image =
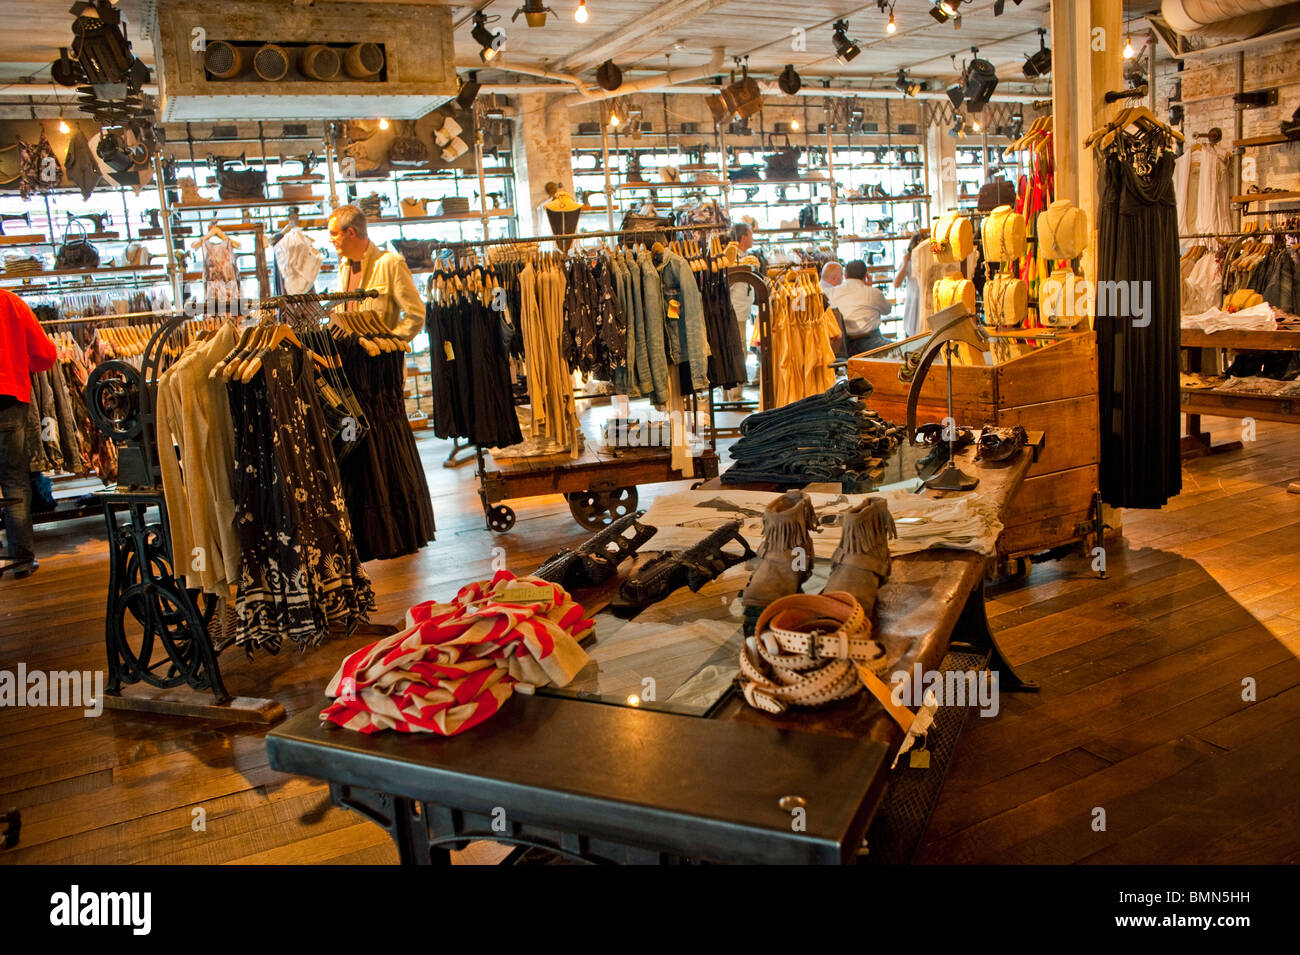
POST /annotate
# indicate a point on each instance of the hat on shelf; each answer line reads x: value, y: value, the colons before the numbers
x: 1006, y: 301
x: 953, y: 238
x: 952, y: 289
x: 454, y: 150
x: 1062, y: 230
x: 1004, y: 235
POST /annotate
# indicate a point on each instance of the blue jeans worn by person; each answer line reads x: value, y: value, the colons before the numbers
x: 15, y: 481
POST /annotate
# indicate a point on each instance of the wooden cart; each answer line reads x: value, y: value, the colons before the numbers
x: 1041, y: 380
x: 600, y: 487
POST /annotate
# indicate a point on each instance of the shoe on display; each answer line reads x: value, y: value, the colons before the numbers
x: 785, y: 557
x: 860, y: 565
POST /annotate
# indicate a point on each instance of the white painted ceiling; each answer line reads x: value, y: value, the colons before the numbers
x: 648, y: 35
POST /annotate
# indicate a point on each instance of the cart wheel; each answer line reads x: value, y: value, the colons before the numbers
x: 501, y: 518
x: 596, y: 510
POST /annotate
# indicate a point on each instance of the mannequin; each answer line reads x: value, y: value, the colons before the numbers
x: 563, y: 212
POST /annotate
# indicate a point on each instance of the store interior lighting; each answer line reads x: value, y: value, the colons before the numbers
x: 945, y: 10
x: 491, y: 43
x: 789, y: 81
x: 909, y: 87
x: 846, y: 49
x: 534, y: 12
x: 609, y: 76
x: 469, y: 88
x: 1040, y: 63
x: 979, y: 80
x: 580, y: 14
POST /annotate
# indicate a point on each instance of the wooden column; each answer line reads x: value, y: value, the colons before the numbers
x: 1087, y: 62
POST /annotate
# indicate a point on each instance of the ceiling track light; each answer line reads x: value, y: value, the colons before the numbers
x: 534, y: 12
x: 491, y: 43
x: 789, y: 81
x: 845, y: 49
x: 908, y: 87
x: 979, y: 80
x: 469, y: 88
x: 580, y: 14
x: 945, y: 10
x: 1040, y: 63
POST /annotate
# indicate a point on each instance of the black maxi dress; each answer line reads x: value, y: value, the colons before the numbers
x: 383, y: 479
x: 1138, y: 353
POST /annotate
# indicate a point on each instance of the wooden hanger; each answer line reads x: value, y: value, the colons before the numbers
x: 214, y: 232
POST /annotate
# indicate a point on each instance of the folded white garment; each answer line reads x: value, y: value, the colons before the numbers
x: 965, y: 523
x: 1256, y: 318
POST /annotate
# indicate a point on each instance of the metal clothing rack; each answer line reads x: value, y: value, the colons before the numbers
x: 168, y: 645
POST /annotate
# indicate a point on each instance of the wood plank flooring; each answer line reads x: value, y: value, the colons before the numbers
x: 1140, y: 714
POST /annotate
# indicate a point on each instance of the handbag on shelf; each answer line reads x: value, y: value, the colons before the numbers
x: 996, y: 192
x: 650, y: 229
x: 76, y: 252
x: 418, y: 253
x: 783, y: 162
x: 236, y: 184
x: 414, y: 208
x: 407, y: 149
x: 372, y: 205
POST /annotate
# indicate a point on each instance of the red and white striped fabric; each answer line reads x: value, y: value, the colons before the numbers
x: 456, y: 663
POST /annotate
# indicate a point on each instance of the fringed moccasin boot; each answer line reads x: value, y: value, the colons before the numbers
x: 861, y: 563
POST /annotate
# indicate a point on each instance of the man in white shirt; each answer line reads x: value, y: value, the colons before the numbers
x: 860, y: 306
x: 832, y: 278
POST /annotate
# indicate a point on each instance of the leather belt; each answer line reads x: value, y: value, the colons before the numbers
x: 813, y: 649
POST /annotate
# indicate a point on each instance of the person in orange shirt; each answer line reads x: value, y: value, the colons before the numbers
x: 24, y: 349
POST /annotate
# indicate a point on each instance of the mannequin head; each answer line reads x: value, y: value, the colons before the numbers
x: 347, y: 227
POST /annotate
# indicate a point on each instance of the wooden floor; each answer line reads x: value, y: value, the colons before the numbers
x: 1140, y: 714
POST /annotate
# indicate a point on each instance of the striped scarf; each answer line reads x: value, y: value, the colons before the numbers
x: 456, y: 663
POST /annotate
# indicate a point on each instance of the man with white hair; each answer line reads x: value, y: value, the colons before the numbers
x: 832, y: 277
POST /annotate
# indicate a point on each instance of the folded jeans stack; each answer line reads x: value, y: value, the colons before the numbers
x: 827, y: 437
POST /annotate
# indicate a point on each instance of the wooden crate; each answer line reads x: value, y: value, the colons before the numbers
x: 1044, y: 384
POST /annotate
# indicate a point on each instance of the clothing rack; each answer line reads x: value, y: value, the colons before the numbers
x: 109, y: 317
x: 524, y: 240
x: 176, y: 647
x: 1240, y: 235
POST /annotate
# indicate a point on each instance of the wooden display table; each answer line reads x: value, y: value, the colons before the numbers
x: 1195, y: 402
x: 627, y: 784
x: 1041, y: 380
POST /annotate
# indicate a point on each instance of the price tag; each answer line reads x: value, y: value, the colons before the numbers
x: 525, y: 593
x: 448, y: 351
x: 919, y: 759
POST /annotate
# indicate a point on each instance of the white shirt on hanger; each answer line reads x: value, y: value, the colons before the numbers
x: 298, y: 260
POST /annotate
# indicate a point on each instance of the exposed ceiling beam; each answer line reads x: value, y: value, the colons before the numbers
x: 665, y: 19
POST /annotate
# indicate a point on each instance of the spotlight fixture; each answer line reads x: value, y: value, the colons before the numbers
x: 975, y: 126
x: 909, y: 87
x: 469, y: 88
x: 979, y: 81
x: 1129, y: 52
x: 580, y: 14
x: 1040, y: 63
x: 789, y: 80
x: 534, y: 13
x: 955, y: 95
x: 609, y: 76
x: 845, y: 49
x: 491, y: 42
x: 742, y: 96
x: 945, y: 10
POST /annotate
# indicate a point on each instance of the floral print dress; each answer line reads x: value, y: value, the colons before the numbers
x: 299, y: 570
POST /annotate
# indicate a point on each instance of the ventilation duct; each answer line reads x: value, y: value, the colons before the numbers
x: 1236, y: 19
x: 251, y: 60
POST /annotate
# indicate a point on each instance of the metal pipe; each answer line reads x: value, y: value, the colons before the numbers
x: 668, y: 79
x: 604, y: 162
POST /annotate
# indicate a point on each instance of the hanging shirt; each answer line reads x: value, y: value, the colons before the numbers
x: 298, y: 260
x: 24, y: 348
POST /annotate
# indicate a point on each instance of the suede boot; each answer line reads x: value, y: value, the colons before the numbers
x: 780, y: 570
x: 861, y: 563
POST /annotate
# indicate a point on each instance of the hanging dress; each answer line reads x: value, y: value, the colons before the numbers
x: 1138, y: 354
